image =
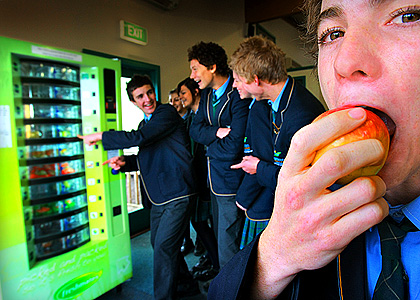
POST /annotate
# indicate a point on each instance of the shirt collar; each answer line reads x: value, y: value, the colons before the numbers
x: 410, y: 210
x: 147, y: 118
x: 221, y: 90
x: 252, y: 103
x: 185, y: 116
x: 275, y: 105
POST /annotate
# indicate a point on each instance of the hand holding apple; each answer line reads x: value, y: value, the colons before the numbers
x: 373, y: 128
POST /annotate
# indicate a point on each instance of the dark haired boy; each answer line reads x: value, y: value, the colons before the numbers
x: 166, y: 175
x: 220, y: 125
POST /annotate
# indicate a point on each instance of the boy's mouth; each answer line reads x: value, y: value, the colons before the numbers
x: 390, y: 124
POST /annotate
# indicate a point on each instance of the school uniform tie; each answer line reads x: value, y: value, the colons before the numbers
x: 393, y: 280
x: 276, y: 129
x: 215, y: 102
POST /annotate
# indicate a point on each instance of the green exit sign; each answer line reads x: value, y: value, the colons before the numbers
x: 133, y: 33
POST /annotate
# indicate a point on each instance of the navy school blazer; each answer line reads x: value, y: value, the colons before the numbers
x: 298, y: 107
x: 343, y: 279
x: 199, y: 164
x: 232, y: 112
x: 257, y: 199
x: 164, y: 158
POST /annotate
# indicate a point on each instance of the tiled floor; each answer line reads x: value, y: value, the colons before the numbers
x: 140, y: 286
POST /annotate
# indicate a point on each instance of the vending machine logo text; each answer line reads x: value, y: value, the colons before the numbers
x: 77, y: 286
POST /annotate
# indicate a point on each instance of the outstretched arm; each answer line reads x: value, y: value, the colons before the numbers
x: 115, y: 162
x: 91, y: 139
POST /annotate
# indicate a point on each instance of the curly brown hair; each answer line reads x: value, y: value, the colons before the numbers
x: 311, y: 10
x: 210, y: 54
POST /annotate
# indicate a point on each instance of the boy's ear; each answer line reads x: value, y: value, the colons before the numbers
x: 212, y: 68
x: 256, y: 80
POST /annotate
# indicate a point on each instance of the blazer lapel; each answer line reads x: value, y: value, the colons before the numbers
x: 284, y: 101
x: 353, y: 269
x: 209, y: 108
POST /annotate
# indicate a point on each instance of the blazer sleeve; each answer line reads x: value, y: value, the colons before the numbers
x: 231, y: 147
x: 236, y: 276
x: 164, y: 122
x: 200, y: 130
x: 248, y: 191
x: 267, y: 173
x: 235, y: 279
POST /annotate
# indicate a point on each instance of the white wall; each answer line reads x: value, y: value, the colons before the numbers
x: 287, y: 38
x: 94, y: 25
x: 312, y: 83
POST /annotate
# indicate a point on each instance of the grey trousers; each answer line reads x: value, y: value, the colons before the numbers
x: 228, y: 222
x: 168, y: 223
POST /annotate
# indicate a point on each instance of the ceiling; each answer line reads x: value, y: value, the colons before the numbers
x: 264, y: 10
x: 255, y: 11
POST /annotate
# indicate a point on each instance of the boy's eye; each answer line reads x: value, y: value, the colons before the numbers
x: 336, y: 35
x: 330, y: 35
x: 408, y: 18
x: 406, y: 15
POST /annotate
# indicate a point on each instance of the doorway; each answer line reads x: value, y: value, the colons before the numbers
x: 139, y: 217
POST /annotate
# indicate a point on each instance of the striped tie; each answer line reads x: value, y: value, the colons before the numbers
x: 214, y: 103
x: 393, y: 280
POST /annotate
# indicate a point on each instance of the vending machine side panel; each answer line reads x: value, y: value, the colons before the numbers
x: 12, y: 226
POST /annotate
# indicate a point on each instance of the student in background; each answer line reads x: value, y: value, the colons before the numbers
x: 189, y: 94
x: 167, y: 183
x: 174, y: 100
x: 337, y: 244
x: 282, y: 107
x: 219, y: 124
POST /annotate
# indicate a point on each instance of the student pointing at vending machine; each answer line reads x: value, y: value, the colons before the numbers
x: 167, y: 185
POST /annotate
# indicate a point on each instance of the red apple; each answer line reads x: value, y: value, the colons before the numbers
x: 372, y: 128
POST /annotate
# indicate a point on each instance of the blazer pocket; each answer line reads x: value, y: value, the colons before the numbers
x: 169, y: 182
x: 233, y: 178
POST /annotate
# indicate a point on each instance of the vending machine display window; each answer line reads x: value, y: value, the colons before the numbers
x: 52, y: 167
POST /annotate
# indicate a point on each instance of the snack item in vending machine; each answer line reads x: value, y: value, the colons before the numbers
x: 66, y: 169
x: 42, y: 171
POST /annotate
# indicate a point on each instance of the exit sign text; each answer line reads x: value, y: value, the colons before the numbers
x: 133, y: 33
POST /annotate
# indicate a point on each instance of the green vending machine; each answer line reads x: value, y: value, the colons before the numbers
x: 63, y: 220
